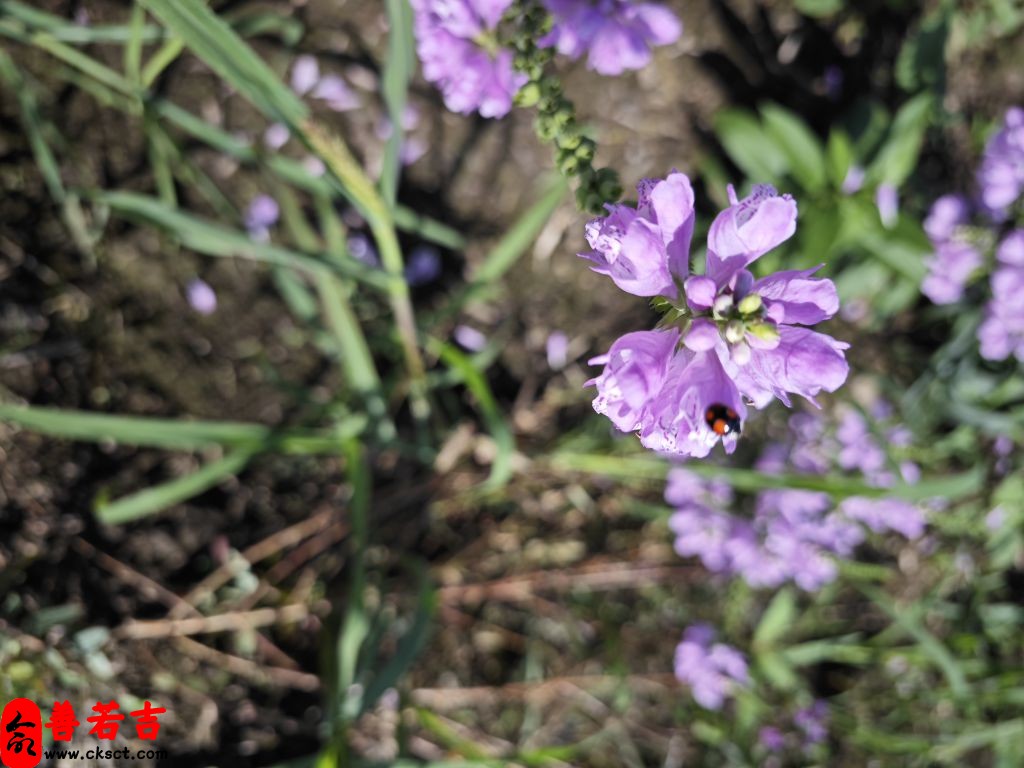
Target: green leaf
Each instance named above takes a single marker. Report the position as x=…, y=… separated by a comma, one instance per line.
x=838, y=156
x=506, y=253
x=501, y=469
x=897, y=157
x=803, y=150
x=177, y=434
x=750, y=147
x=777, y=619
x=394, y=87
x=210, y=38
x=819, y=8
x=213, y=239
x=157, y=498
x=922, y=59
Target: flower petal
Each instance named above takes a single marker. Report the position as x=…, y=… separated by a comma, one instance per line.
x=802, y=299
x=749, y=229
x=804, y=363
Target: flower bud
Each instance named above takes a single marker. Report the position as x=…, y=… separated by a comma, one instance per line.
x=734, y=332
x=528, y=95
x=750, y=303
x=765, y=331
x=722, y=304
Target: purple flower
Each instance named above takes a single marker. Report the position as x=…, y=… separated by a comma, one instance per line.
x=634, y=372
x=262, y=214
x=201, y=296
x=305, y=74
x=771, y=739
x=459, y=53
x=557, y=350
x=946, y=214
x=641, y=249
x=362, y=249
x=335, y=93
x=949, y=270
x=714, y=671
x=1001, y=175
x=854, y=180
x=747, y=230
x=424, y=265
x=885, y=514
x=742, y=338
x=469, y=338
x=813, y=721
x=616, y=35
x=276, y=136
x=887, y=199
x=1001, y=334
x=1011, y=250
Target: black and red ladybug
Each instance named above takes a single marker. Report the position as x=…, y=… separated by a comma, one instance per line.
x=722, y=420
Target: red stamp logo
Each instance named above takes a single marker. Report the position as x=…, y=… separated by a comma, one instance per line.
x=21, y=734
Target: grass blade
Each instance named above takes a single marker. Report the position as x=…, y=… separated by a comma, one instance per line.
x=158, y=498
x=212, y=239
x=211, y=39
x=395, y=84
x=177, y=434
x=501, y=469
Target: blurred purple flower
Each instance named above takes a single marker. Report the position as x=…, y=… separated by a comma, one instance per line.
x=557, y=350
x=885, y=514
x=616, y=35
x=949, y=270
x=887, y=198
x=714, y=671
x=995, y=518
x=336, y=94
x=201, y=297
x=1001, y=174
x=424, y=265
x=833, y=81
x=1011, y=250
x=946, y=214
x=276, y=136
x=854, y=180
x=362, y=249
x=262, y=214
x=813, y=721
x=457, y=48
x=314, y=166
x=1001, y=333
x=469, y=338
x=305, y=74
x=771, y=739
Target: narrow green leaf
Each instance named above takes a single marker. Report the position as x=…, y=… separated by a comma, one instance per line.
x=212, y=239
x=210, y=38
x=777, y=619
x=839, y=156
x=501, y=469
x=158, y=498
x=394, y=87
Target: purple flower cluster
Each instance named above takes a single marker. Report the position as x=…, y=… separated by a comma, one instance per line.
x=685, y=385
x=792, y=535
x=461, y=54
x=957, y=241
x=714, y=671
x=459, y=51
x=615, y=35
x=1001, y=175
x=1001, y=334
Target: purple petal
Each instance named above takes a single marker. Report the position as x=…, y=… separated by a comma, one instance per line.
x=634, y=373
x=801, y=299
x=747, y=230
x=804, y=363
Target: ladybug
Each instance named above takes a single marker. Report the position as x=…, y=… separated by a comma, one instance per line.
x=722, y=419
